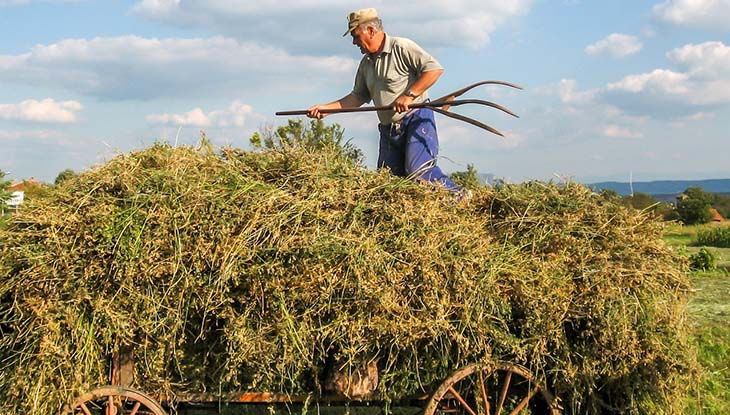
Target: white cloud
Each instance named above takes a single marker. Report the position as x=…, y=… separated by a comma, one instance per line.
x=682, y=122
x=703, y=82
x=45, y=111
x=699, y=82
x=234, y=116
x=616, y=45
x=8, y=3
x=22, y=135
x=709, y=60
x=659, y=81
x=700, y=116
x=615, y=131
x=467, y=22
x=195, y=117
x=132, y=67
x=459, y=137
x=707, y=14
x=569, y=94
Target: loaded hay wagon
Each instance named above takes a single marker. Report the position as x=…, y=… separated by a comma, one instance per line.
x=187, y=276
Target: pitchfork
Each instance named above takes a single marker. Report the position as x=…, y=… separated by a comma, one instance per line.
x=440, y=105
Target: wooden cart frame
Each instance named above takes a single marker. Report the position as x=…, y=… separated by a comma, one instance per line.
x=497, y=388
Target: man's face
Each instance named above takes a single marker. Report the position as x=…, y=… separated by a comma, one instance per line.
x=364, y=39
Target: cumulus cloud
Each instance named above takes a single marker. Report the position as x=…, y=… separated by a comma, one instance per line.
x=706, y=14
x=700, y=116
x=467, y=22
x=23, y=2
x=701, y=81
x=694, y=118
x=132, y=67
x=616, y=45
x=234, y=116
x=615, y=131
x=569, y=94
x=25, y=135
x=45, y=111
x=709, y=60
x=659, y=81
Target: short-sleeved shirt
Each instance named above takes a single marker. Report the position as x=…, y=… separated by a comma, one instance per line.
x=386, y=76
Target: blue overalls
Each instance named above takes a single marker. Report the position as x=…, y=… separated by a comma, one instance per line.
x=410, y=147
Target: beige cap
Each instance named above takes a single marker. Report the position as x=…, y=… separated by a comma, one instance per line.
x=359, y=17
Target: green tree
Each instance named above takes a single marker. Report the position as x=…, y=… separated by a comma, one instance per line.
x=468, y=179
x=315, y=136
x=4, y=196
x=4, y=184
x=694, y=206
x=63, y=176
x=610, y=195
x=696, y=192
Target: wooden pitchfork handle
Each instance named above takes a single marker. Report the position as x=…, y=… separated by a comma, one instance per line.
x=417, y=105
x=440, y=105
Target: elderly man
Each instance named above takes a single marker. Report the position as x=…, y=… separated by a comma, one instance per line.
x=395, y=72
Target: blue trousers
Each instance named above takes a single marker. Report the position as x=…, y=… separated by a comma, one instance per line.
x=410, y=147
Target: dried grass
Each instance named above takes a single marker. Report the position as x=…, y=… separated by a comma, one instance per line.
x=253, y=271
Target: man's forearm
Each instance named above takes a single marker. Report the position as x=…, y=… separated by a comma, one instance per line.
x=348, y=101
x=402, y=103
x=426, y=80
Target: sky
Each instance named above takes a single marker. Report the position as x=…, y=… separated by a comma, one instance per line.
x=612, y=88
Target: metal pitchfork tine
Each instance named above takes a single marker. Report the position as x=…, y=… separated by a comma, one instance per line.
x=440, y=105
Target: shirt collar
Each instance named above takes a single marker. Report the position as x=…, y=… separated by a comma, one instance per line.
x=387, y=48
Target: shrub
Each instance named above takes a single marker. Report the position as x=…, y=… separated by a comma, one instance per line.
x=704, y=260
x=717, y=237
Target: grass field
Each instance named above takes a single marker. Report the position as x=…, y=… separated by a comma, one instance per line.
x=709, y=314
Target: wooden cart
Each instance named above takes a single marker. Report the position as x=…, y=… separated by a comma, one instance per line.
x=497, y=388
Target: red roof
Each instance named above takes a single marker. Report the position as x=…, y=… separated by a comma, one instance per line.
x=716, y=216
x=22, y=186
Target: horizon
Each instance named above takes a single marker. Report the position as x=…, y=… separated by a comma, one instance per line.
x=612, y=89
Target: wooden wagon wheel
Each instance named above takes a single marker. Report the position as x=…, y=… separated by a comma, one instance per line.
x=115, y=400
x=495, y=389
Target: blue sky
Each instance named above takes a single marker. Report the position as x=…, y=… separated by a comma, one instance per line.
x=612, y=88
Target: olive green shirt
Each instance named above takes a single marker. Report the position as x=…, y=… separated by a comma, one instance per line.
x=388, y=75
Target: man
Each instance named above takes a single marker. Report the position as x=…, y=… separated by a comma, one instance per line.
x=395, y=72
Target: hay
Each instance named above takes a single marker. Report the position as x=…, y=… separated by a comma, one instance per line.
x=241, y=271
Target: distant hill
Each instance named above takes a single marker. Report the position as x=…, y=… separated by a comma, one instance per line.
x=665, y=187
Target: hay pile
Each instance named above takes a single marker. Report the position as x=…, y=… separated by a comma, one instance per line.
x=254, y=271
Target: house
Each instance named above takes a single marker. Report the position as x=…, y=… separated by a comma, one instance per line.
x=716, y=216
x=17, y=190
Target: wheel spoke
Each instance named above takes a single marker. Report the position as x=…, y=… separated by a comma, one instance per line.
x=110, y=406
x=525, y=401
x=480, y=392
x=460, y=399
x=115, y=400
x=503, y=395
x=484, y=392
